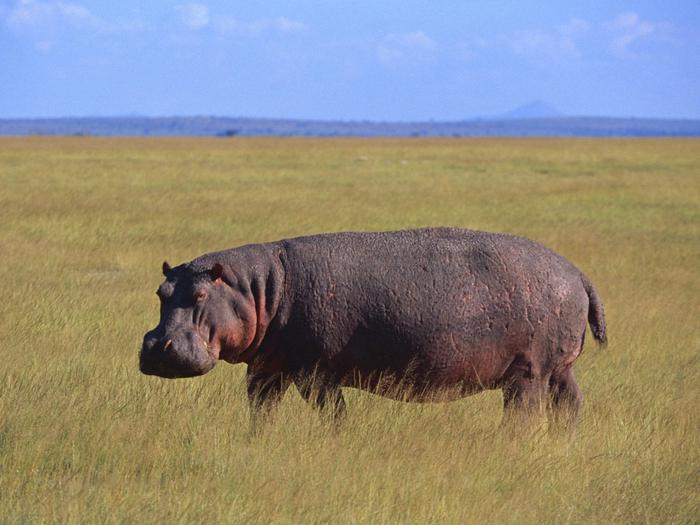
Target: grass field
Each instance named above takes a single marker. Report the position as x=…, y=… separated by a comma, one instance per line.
x=85, y=224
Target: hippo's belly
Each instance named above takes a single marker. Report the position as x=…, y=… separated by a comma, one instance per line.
x=462, y=361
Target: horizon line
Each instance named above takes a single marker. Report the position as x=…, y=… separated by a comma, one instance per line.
x=342, y=120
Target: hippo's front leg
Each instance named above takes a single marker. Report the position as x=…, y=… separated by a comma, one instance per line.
x=322, y=392
x=265, y=391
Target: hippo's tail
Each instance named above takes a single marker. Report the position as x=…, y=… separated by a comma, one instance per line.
x=596, y=313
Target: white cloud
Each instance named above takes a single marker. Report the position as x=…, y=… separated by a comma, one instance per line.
x=287, y=25
x=629, y=28
x=46, y=22
x=572, y=27
x=555, y=44
x=32, y=16
x=395, y=48
x=229, y=25
x=45, y=45
x=194, y=16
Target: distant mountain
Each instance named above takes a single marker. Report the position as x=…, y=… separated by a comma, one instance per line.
x=535, y=109
x=233, y=127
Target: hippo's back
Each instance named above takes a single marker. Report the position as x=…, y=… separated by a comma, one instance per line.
x=420, y=263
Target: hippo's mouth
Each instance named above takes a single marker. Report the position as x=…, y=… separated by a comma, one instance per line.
x=151, y=368
x=154, y=365
x=210, y=350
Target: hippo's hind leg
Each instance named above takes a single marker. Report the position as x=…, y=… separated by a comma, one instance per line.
x=564, y=393
x=566, y=398
x=523, y=390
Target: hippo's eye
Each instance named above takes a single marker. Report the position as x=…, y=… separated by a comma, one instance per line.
x=200, y=296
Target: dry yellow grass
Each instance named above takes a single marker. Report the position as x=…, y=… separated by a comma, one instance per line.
x=86, y=222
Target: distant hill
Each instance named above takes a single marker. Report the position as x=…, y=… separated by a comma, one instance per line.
x=518, y=126
x=536, y=109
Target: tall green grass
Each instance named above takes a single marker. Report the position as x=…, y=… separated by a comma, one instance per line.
x=85, y=224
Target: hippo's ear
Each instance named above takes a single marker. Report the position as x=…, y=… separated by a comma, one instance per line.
x=166, y=268
x=216, y=272
x=219, y=273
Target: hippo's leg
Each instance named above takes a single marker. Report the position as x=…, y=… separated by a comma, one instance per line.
x=566, y=397
x=322, y=393
x=523, y=390
x=523, y=395
x=265, y=391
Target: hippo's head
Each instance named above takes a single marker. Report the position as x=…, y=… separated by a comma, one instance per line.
x=204, y=317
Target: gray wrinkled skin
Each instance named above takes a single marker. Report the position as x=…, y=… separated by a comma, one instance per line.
x=429, y=310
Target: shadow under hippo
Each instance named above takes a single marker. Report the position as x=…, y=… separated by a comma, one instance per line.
x=405, y=314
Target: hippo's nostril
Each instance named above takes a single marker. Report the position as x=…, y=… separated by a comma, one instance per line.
x=168, y=344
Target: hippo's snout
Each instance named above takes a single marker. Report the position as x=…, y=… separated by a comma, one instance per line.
x=172, y=357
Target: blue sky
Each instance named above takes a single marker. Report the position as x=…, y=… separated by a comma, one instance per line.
x=376, y=60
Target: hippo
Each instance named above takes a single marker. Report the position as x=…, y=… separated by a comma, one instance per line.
x=404, y=314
